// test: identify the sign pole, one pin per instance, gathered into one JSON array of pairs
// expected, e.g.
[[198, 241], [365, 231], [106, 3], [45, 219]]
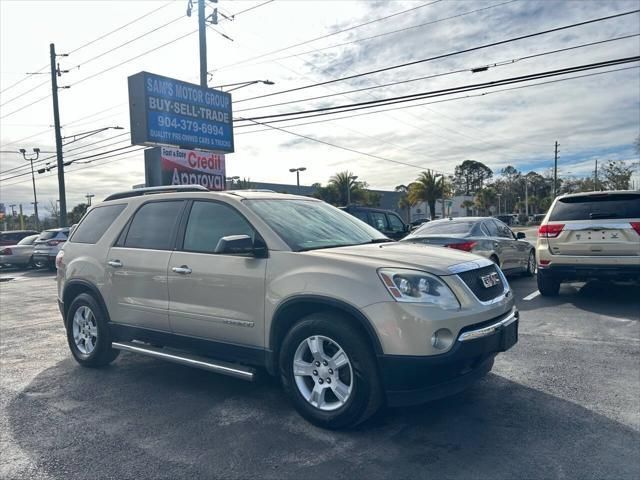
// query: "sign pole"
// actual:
[[202, 35]]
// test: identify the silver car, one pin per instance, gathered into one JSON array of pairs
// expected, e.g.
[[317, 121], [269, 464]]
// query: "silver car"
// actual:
[[20, 255], [48, 245], [485, 236]]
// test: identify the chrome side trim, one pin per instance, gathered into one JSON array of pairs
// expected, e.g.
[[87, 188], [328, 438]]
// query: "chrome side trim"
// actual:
[[472, 265], [490, 330], [237, 371]]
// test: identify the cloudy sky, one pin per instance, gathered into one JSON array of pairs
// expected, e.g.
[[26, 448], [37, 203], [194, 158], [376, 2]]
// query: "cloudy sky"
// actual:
[[593, 117]]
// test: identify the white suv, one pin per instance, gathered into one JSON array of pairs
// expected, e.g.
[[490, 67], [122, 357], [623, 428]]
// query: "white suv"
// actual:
[[590, 235], [237, 281]]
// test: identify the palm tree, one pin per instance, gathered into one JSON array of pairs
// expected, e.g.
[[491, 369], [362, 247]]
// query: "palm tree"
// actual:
[[345, 182], [428, 187], [404, 202], [467, 205]]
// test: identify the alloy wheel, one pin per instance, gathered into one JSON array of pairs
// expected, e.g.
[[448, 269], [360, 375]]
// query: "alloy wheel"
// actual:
[[85, 330], [323, 373]]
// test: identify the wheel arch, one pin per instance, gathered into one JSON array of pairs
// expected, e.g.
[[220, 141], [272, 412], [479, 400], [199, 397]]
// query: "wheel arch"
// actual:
[[76, 287], [294, 309]]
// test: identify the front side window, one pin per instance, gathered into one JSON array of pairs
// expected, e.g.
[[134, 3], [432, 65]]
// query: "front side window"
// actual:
[[309, 225], [503, 230], [209, 222], [154, 225], [96, 223], [491, 228]]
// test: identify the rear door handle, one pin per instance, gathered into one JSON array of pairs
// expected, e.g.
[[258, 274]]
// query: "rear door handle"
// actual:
[[115, 263], [184, 270]]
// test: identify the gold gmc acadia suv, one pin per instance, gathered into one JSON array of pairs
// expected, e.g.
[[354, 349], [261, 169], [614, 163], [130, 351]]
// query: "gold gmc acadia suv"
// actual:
[[233, 282]]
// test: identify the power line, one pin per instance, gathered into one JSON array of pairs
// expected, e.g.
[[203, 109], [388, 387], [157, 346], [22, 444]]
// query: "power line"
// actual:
[[46, 82], [332, 33], [234, 15], [451, 72], [442, 101], [445, 55], [25, 106], [448, 91]]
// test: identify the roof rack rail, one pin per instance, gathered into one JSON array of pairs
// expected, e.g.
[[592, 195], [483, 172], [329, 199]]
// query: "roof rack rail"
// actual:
[[138, 192]]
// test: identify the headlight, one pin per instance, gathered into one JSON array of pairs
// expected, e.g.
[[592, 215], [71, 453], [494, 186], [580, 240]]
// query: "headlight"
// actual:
[[415, 286]]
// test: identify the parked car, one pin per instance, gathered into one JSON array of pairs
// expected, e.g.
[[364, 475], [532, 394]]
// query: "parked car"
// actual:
[[384, 221], [590, 235], [12, 237], [233, 281], [48, 245], [484, 236], [19, 255]]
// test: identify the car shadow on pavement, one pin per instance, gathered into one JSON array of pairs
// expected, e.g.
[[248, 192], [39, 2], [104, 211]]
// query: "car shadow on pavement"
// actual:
[[146, 419], [604, 298]]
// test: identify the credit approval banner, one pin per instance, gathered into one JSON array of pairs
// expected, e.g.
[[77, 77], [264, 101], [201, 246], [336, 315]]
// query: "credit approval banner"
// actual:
[[192, 167]]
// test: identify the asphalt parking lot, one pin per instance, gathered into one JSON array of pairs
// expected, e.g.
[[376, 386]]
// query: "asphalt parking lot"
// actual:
[[563, 403]]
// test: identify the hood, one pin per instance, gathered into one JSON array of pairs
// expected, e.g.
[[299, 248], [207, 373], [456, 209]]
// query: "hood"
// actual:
[[435, 260]]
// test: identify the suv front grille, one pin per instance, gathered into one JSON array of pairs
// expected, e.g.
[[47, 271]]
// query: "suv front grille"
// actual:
[[473, 280]]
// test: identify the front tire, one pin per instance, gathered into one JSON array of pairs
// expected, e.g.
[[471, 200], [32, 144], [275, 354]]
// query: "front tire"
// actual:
[[88, 334], [329, 371], [548, 286]]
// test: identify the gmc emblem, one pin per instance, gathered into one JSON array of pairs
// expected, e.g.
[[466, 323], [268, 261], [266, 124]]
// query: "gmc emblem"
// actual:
[[490, 280]]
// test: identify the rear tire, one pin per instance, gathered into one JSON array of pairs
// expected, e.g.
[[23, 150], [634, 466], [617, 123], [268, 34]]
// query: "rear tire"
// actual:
[[495, 260], [350, 392], [88, 333], [548, 285], [531, 264]]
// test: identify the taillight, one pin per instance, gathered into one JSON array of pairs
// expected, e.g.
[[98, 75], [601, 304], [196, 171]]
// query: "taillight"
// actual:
[[53, 243], [636, 227], [6, 251], [550, 230], [59, 259], [465, 246]]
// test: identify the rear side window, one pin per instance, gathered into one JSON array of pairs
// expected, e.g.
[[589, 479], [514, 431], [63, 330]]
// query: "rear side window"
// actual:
[[594, 207], [490, 228], [96, 223], [209, 222], [154, 226]]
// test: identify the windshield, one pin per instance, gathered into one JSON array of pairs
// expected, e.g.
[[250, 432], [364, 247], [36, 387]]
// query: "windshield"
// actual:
[[443, 227], [598, 206], [28, 240], [309, 225]]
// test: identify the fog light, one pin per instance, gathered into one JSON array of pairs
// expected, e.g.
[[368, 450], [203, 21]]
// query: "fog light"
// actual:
[[442, 339]]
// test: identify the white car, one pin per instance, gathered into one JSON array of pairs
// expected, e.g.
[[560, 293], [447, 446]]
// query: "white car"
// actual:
[[19, 255]]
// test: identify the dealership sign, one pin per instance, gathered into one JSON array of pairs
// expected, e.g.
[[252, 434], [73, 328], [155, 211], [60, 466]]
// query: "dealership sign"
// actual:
[[190, 167], [165, 111]]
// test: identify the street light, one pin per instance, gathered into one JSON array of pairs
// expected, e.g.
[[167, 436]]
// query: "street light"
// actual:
[[499, 195], [89, 196], [244, 84], [298, 170], [30, 159], [354, 178]]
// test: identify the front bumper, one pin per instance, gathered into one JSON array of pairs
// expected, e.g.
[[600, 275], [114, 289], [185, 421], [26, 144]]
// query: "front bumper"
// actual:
[[410, 380]]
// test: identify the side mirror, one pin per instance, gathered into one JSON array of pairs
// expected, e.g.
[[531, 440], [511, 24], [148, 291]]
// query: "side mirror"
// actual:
[[520, 235], [241, 244]]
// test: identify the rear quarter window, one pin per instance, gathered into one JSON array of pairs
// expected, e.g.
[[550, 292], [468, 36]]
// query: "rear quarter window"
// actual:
[[96, 223], [594, 207]]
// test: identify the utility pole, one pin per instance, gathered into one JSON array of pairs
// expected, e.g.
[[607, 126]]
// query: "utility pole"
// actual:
[[526, 198], [55, 72], [555, 172], [21, 218], [595, 183], [202, 36]]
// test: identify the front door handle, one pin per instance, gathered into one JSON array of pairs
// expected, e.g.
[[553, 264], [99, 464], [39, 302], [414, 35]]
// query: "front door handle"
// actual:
[[115, 263], [184, 270]]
